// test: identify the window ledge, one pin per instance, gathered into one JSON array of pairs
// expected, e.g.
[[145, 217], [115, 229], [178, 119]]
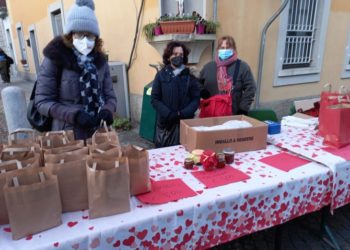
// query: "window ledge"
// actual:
[[300, 71], [196, 43]]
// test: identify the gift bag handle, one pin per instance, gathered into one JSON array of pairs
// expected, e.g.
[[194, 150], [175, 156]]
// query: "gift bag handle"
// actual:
[[11, 162], [329, 85], [16, 182], [101, 151], [343, 94], [59, 132], [17, 150], [27, 131], [94, 165], [103, 125], [65, 139]]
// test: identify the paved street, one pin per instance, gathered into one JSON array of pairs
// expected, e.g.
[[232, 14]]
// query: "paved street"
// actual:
[[301, 233]]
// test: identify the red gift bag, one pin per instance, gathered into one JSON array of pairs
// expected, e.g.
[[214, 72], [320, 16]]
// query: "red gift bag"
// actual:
[[217, 105], [329, 98], [336, 128]]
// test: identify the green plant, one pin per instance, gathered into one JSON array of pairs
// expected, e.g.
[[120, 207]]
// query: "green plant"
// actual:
[[148, 30], [212, 26], [122, 124], [167, 18]]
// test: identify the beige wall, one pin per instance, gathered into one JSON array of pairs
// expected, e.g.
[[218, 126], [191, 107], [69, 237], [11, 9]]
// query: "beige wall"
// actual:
[[246, 25], [243, 19], [117, 21], [33, 12]]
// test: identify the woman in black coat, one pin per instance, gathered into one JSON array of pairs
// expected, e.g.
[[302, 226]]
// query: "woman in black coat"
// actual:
[[175, 94]]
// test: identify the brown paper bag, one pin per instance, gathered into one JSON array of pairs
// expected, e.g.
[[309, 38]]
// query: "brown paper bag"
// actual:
[[32, 201], [5, 168], [139, 169], [55, 139], [108, 187], [104, 135], [72, 182], [25, 155], [76, 147], [30, 141], [71, 155], [106, 151]]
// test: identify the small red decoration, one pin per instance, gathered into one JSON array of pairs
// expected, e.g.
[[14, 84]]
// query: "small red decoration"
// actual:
[[209, 160]]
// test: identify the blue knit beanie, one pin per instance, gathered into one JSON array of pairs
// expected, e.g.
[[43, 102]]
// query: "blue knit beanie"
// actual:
[[81, 17]]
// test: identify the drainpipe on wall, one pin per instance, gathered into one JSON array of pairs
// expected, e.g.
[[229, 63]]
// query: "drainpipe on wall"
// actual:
[[215, 19], [262, 50], [215, 10]]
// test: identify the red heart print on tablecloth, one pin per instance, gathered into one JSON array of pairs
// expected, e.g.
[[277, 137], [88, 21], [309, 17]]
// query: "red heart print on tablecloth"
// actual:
[[141, 235], [72, 223], [129, 241], [117, 243]]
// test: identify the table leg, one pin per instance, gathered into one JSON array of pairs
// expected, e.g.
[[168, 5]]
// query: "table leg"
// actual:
[[278, 237], [326, 232]]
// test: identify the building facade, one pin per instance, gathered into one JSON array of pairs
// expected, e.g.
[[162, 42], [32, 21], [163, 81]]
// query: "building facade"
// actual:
[[306, 45]]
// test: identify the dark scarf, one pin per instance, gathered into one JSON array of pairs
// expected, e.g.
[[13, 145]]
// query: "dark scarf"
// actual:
[[89, 89]]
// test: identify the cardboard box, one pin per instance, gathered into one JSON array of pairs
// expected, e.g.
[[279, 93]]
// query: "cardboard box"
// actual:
[[305, 105], [242, 139]]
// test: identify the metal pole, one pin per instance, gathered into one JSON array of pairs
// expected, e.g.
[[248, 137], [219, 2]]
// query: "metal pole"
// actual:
[[215, 10], [63, 12], [262, 50]]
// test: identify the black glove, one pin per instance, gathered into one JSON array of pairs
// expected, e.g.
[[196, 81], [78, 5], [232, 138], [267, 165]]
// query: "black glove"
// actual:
[[173, 117], [106, 115], [84, 120]]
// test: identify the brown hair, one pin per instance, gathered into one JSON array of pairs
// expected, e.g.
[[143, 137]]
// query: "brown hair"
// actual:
[[68, 41], [231, 42], [168, 51]]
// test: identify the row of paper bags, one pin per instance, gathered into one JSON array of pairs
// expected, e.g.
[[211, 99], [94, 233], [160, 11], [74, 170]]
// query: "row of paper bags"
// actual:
[[99, 177]]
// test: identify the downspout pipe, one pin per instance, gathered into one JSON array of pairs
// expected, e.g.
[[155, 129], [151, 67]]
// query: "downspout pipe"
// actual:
[[215, 19], [215, 10], [262, 50]]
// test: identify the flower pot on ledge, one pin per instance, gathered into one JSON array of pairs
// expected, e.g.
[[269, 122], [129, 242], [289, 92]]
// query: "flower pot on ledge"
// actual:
[[177, 27], [157, 31], [200, 28]]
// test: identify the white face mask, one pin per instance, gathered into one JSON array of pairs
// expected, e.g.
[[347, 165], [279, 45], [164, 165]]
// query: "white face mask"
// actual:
[[84, 46]]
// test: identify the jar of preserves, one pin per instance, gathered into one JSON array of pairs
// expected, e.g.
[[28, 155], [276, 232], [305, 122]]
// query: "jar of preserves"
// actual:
[[221, 160], [229, 155], [188, 164]]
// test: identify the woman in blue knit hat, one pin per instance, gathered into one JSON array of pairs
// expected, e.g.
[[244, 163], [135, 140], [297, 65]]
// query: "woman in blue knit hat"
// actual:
[[74, 86]]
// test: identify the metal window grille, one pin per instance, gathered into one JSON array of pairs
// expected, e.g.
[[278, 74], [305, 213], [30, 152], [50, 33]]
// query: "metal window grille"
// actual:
[[300, 36]]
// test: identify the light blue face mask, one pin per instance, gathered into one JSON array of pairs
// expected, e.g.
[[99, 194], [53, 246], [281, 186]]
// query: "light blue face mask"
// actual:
[[225, 53]]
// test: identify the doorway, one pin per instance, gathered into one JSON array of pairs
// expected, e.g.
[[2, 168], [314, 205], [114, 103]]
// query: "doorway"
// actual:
[[34, 46]]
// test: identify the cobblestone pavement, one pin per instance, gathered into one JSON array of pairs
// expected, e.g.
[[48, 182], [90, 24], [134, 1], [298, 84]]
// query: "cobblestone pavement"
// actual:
[[301, 233]]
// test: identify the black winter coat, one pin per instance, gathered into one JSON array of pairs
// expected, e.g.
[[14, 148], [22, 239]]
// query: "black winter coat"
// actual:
[[174, 94]]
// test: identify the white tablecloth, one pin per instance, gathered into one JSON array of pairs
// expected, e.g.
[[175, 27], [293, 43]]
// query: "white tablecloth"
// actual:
[[270, 197], [308, 144]]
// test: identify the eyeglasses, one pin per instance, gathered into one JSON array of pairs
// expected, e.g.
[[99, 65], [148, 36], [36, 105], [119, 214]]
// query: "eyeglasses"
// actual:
[[81, 35]]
